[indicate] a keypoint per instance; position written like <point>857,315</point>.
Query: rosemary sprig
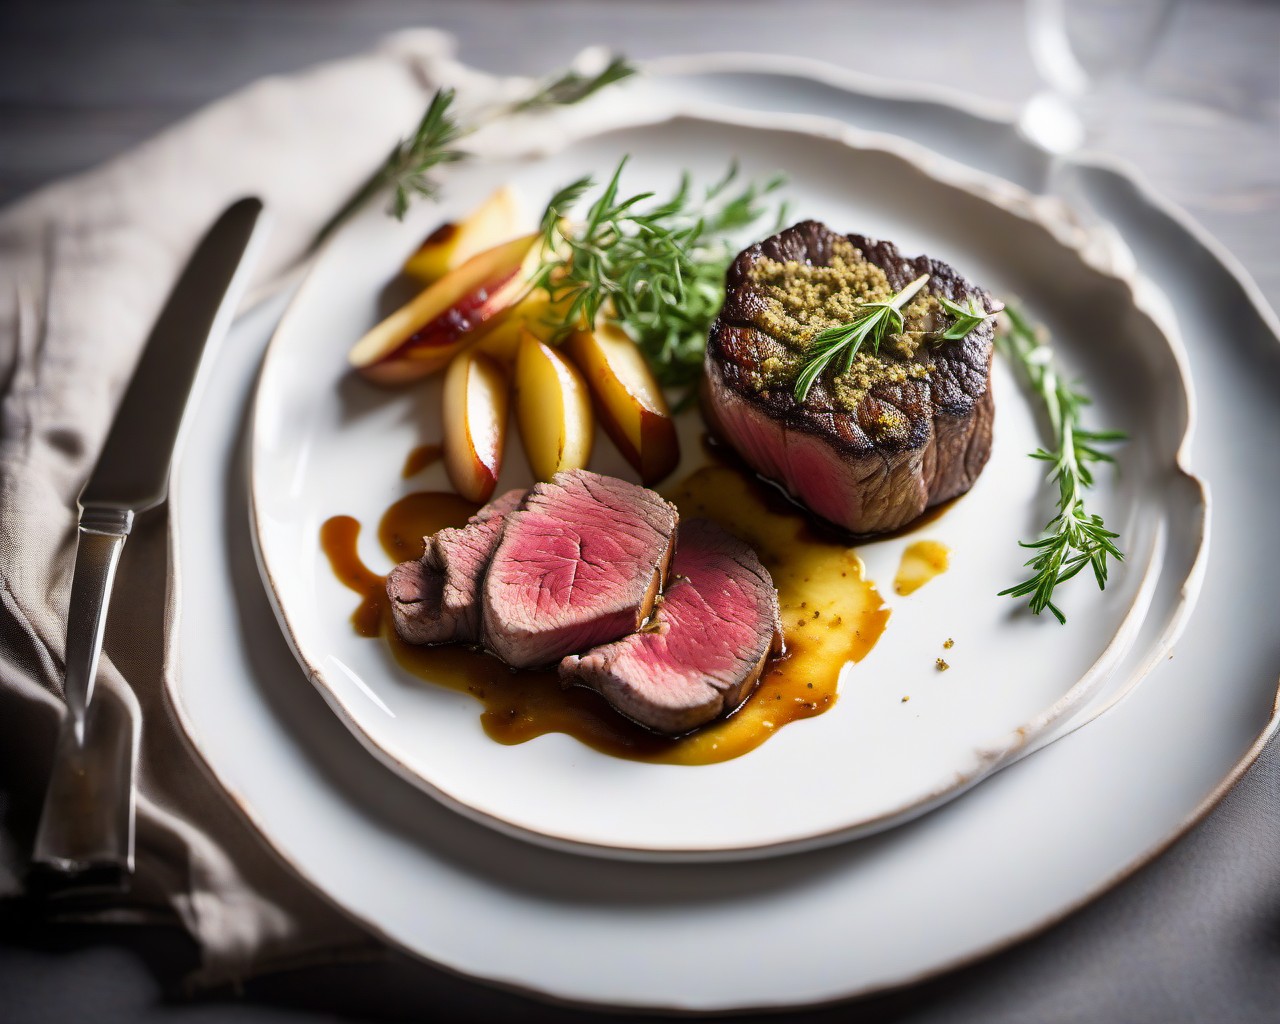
<point>1074,538</point>
<point>656,268</point>
<point>408,168</point>
<point>573,87</point>
<point>877,319</point>
<point>966,318</point>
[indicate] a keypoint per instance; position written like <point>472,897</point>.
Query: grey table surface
<point>1193,937</point>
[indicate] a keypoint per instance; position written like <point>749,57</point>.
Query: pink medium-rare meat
<point>702,654</point>
<point>871,448</point>
<point>436,599</point>
<point>580,563</point>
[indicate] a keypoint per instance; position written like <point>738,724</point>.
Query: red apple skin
<point>422,336</point>
<point>440,342</point>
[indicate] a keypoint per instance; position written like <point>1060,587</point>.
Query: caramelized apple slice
<point>628,399</point>
<point>475,424</point>
<point>535,313</point>
<point>553,409</point>
<point>452,244</point>
<point>422,336</point>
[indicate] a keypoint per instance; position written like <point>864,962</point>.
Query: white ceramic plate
<point>325,443</point>
<point>1010,858</point>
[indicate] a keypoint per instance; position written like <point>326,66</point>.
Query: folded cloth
<point>85,265</point>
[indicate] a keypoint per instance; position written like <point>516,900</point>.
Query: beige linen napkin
<point>85,265</point>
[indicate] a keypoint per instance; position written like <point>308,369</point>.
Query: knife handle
<point>101,539</point>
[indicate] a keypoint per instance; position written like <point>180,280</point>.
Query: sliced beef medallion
<point>580,563</point>
<point>869,448</point>
<point>436,599</point>
<point>702,654</point>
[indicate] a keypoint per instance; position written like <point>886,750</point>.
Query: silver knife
<point>87,824</point>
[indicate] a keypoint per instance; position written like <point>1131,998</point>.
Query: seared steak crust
<point>843,463</point>
<point>436,599</point>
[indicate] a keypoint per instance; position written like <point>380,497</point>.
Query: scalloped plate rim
<point>991,756</point>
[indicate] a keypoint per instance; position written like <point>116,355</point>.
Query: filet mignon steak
<point>436,599</point>
<point>703,652</point>
<point>580,563</point>
<point>868,449</point>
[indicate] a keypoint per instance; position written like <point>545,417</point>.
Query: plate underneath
<point>1016,854</point>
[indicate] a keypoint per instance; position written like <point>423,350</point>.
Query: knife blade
<point>87,821</point>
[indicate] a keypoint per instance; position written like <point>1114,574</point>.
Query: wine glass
<point>1080,47</point>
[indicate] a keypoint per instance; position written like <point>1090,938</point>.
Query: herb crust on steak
<point>906,427</point>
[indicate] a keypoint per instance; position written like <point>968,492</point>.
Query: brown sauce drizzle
<point>831,615</point>
<point>420,458</point>
<point>921,562</point>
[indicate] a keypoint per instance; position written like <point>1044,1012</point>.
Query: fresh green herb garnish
<point>408,169</point>
<point>966,318</point>
<point>657,270</point>
<point>573,87</point>
<point>410,164</point>
<point>877,320</point>
<point>1073,538</point>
